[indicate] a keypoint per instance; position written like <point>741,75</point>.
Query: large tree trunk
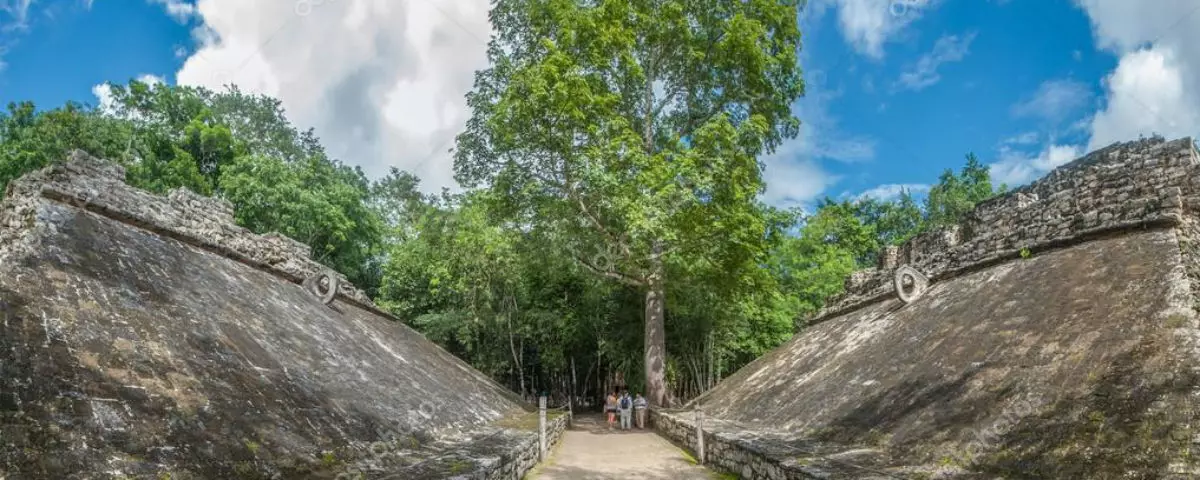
<point>656,344</point>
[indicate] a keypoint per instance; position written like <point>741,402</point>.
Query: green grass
<point>688,456</point>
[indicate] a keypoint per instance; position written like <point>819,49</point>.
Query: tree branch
<point>621,277</point>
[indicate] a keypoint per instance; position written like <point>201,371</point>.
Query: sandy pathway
<point>590,451</point>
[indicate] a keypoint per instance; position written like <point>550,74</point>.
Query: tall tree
<point>955,195</point>
<point>630,129</point>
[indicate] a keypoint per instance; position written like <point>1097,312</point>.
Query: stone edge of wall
<point>723,453</point>
<point>525,454</point>
<point>98,186</point>
<point>1146,183</point>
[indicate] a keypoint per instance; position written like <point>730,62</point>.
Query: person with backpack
<point>626,408</point>
<point>639,409</point>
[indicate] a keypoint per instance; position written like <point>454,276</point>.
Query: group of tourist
<point>620,403</point>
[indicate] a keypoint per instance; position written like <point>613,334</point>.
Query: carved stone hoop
<point>313,285</point>
<point>910,284</point>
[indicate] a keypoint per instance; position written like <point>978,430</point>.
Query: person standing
<point>639,409</point>
<point>610,408</point>
<point>626,407</point>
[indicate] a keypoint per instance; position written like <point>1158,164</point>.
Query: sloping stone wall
<point>1121,187</point>
<point>99,186</point>
<point>1058,338</point>
<point>1075,363</point>
<point>147,337</point>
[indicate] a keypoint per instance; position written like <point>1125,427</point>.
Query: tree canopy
<point>628,132</point>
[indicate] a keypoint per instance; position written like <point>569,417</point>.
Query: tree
<point>32,139</point>
<point>955,195</point>
<point>629,129</point>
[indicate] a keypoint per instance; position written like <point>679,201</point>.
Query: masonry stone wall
<point>720,453</point>
<point>99,186</point>
<point>1121,187</point>
<point>732,448</point>
<point>146,336</point>
<point>525,455</point>
<point>1075,359</point>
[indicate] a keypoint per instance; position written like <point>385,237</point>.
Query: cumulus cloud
<point>1155,87</point>
<point>892,191</point>
<point>868,24</point>
<point>795,180</point>
<point>381,82</point>
<point>1054,100</point>
<point>924,73</point>
<point>1151,91</point>
<point>1015,167</point>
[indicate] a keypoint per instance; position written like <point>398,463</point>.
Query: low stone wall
<point>525,455</point>
<point>499,454</point>
<point>1125,186</point>
<point>732,455</point>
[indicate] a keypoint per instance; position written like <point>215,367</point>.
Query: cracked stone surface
<point>1057,339</point>
<point>132,347</point>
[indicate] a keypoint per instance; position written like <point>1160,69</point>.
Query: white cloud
<point>820,133</point>
<point>947,49</point>
<point>180,10</point>
<point>892,191</point>
<point>794,174</point>
<point>381,82</point>
<point>1155,87</point>
<point>1027,138</point>
<point>794,180</point>
<point>1015,168</point>
<point>868,24</point>
<point>1054,100</point>
<point>1149,92</point>
<point>13,14</point>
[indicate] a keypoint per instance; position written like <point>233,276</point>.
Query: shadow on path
<point>591,451</point>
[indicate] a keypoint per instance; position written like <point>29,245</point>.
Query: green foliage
<point>955,195</point>
<point>632,129</point>
<point>841,237</point>
<point>236,146</point>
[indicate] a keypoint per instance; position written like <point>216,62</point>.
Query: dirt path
<point>590,451</point>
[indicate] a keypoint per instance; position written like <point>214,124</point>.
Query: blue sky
<point>899,89</point>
